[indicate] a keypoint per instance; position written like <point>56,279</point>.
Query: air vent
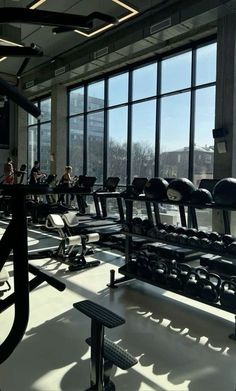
<point>29,84</point>
<point>59,71</point>
<point>160,26</point>
<point>100,53</point>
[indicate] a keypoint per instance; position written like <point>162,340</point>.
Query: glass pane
<point>118,89</point>
<point>95,145</point>
<point>117,143</point>
<point>143,139</point>
<point>96,96</point>
<point>45,147</point>
<point>31,119</point>
<point>76,101</point>
<point>76,146</point>
<point>206,64</point>
<point>32,146</point>
<point>145,81</point>
<point>176,72</point>
<point>204,142</point>
<point>174,138</point>
<point>45,107</point>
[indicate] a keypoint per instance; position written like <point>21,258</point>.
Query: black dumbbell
<point>126,227</point>
<point>202,234</point>
<point>162,234</point>
<point>193,241</point>
<point>183,239</point>
<point>162,226</point>
<point>137,226</point>
<point>171,237</point>
<point>228,239</point>
<point>153,232</point>
<point>191,232</point>
<point>146,226</point>
<point>232,248</point>
<point>214,236</point>
<point>170,228</point>
<point>205,243</point>
<point>181,230</point>
<point>218,246</point>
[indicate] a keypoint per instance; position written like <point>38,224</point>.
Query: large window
<point>95,126</point>
<point>174,136</point>
<point>143,139</point>
<point>117,143</point>
<point>146,122</point>
<point>39,136</point>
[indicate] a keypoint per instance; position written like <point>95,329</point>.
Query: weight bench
<point>69,245</point>
<point>4,276</point>
<point>104,352</point>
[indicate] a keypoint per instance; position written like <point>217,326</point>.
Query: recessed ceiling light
<point>132,12</point>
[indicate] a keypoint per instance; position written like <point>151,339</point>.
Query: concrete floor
<point>180,344</point>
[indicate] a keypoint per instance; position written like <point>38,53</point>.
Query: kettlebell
<point>191,287</point>
<point>228,295</point>
<point>184,269</point>
<point>160,272</point>
<point>173,279</point>
<point>210,288</point>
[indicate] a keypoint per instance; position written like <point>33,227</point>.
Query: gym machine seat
<point>68,247</point>
<point>104,352</point>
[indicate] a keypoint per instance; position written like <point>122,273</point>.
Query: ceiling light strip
<point>10,42</point>
<point>35,4</point>
<point>132,13</point>
<point>2,58</point>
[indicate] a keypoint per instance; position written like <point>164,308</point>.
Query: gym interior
<point>117,195</point>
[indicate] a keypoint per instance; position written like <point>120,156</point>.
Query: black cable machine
<point>15,239</point>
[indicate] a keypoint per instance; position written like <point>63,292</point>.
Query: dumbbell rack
<point>126,270</point>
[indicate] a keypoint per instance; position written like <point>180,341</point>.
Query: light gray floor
<point>180,344</point>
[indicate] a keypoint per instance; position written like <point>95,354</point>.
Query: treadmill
<point>105,226</point>
<point>101,220</point>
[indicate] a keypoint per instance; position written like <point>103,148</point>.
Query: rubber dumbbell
<point>228,239</point>
<point>181,230</point>
<point>218,246</point>
<point>146,226</point>
<point>183,239</point>
<point>205,243</point>
<point>214,236</point>
<point>162,226</point>
<point>137,226</point>
<point>232,248</point>
<point>193,241</point>
<point>191,232</point>
<point>170,228</point>
<point>153,232</point>
<point>202,234</point>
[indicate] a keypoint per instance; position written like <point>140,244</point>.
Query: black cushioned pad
<point>96,312</point>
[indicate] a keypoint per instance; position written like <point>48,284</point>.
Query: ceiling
<point>54,45</point>
<point>159,25</point>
